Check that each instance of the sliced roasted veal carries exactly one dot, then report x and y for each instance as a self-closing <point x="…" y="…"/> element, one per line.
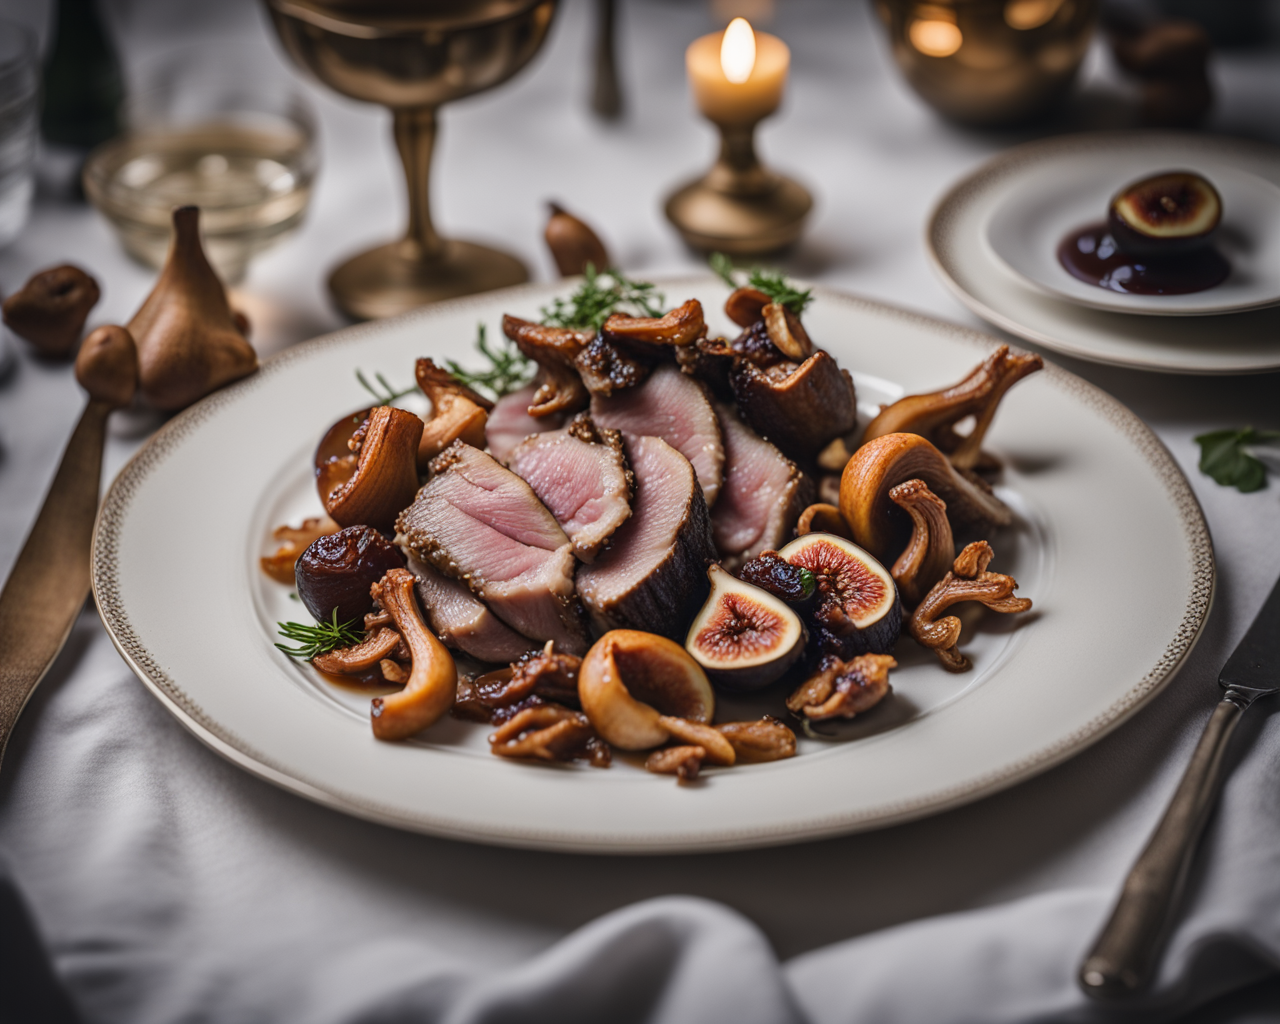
<point x="653" y="577"/>
<point x="674" y="407"/>
<point x="581" y="476"/>
<point x="461" y="620"/>
<point x="763" y="494"/>
<point x="510" y="422"/>
<point x="478" y="522"/>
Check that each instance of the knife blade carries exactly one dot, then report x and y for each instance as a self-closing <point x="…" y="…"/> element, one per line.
<point x="50" y="580"/>
<point x="1126" y="953"/>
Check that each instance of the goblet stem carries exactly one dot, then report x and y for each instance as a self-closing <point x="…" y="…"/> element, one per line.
<point x="415" y="132"/>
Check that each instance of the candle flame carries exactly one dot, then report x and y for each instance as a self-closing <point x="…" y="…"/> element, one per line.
<point x="738" y="51"/>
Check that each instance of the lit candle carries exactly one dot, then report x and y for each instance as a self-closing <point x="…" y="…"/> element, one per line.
<point x="737" y="75"/>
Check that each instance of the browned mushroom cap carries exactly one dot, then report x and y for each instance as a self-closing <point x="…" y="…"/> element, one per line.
<point x="629" y="680"/>
<point x="745" y="306"/>
<point x="797" y="407"/>
<point x="574" y="246"/>
<point x="683" y="762"/>
<point x="50" y="309"/>
<point x="823" y="518"/>
<point x="878" y="524"/>
<point x="359" y="657"/>
<point x="548" y="732"/>
<point x="934" y="415"/>
<point x="456" y="412"/>
<point x="967" y="581"/>
<point x="843" y="689"/>
<point x="717" y="746"/>
<point x="433" y="678"/>
<point x="931" y="549"/>
<point x="786" y="332"/>
<point x="554" y="349"/>
<point x="765" y="739"/>
<point x="386" y="476"/>
<point x="107" y="366"/>
<point x="680" y="326"/>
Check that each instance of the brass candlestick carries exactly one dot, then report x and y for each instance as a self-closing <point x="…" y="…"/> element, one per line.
<point x="413" y="56"/>
<point x="739" y="207"/>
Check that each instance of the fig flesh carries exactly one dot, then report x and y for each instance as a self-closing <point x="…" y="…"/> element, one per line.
<point x="744" y="637"/>
<point x="856" y="608"/>
<point x="1165" y="215"/>
<point x="337" y="570"/>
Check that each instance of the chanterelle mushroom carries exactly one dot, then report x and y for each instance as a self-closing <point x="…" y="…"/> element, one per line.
<point x="549" y="732"/>
<point x="935" y="415"/>
<point x="968" y="580"/>
<point x="843" y="689"/>
<point x="433" y="677"/>
<point x="931" y="549"/>
<point x="456" y="412"/>
<point x="631" y="684"/>
<point x="877" y="523"/>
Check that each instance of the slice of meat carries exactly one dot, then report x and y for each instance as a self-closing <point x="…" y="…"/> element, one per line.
<point x="674" y="407"/>
<point x="510" y="422"/>
<point x="580" y="474"/>
<point x="478" y="522"/>
<point x="461" y="620"/>
<point x="654" y="576"/>
<point x="763" y="494"/>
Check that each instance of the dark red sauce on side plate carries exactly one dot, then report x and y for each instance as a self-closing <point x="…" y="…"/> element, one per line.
<point x="1091" y="255"/>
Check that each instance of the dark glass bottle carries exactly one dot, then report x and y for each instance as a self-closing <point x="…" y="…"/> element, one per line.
<point x="83" y="84"/>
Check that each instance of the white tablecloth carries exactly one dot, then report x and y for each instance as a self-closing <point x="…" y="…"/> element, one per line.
<point x="168" y="885"/>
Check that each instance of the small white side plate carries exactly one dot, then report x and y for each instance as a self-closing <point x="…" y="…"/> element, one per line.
<point x="1041" y="208"/>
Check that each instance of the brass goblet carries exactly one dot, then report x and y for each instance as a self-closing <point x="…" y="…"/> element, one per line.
<point x="413" y="56"/>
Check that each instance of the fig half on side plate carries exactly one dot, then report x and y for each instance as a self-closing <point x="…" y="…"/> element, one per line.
<point x="744" y="637"/>
<point x="1166" y="215"/>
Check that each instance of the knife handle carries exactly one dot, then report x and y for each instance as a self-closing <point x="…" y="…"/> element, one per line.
<point x="50" y="580"/>
<point x="1124" y="956"/>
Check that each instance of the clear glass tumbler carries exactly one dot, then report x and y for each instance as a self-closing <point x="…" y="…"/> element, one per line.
<point x="207" y="129"/>
<point x="19" y="114"/>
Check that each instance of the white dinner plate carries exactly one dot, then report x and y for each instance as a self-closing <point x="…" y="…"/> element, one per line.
<point x="993" y="240"/>
<point x="1110" y="544"/>
<point x="1036" y="212"/>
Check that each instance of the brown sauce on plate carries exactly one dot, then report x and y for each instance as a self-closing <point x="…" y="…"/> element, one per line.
<point x="1091" y="255"/>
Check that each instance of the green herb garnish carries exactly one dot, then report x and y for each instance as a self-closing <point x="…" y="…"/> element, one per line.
<point x="601" y="294"/>
<point x="1225" y="457"/>
<point x="321" y="638"/>
<point x="772" y="282"/>
<point x="509" y="368"/>
<point x="807" y="583"/>
<point x="388" y="394"/>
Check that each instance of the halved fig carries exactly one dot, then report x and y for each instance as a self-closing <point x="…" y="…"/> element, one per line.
<point x="857" y="609"/>
<point x="1165" y="215"/>
<point x="744" y="637"/>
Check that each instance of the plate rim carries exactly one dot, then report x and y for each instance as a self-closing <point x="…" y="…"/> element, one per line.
<point x="1009" y="162"/>
<point x="114" y="508"/>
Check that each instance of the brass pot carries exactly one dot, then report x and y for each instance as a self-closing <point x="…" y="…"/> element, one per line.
<point x="989" y="62"/>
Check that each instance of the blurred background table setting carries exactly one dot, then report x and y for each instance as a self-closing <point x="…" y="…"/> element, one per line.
<point x="353" y="161"/>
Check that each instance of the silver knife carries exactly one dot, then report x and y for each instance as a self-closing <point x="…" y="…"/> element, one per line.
<point x="1125" y="955"/>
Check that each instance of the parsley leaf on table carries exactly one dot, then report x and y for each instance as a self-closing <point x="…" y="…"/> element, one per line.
<point x="1224" y="457"/>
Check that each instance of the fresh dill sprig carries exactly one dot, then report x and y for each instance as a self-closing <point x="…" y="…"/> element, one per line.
<point x="509" y="368"/>
<point x="772" y="282"/>
<point x="388" y="394"/>
<point x="321" y="638"/>
<point x="602" y="293"/>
